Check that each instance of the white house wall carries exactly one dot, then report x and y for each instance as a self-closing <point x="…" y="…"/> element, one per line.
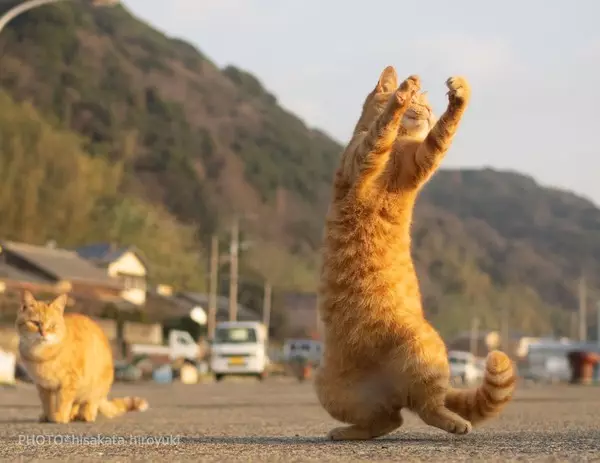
<point x="129" y="264"/>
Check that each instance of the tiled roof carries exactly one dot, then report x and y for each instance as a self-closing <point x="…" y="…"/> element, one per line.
<point x="104" y="253"/>
<point x="11" y="273"/>
<point x="61" y="263"/>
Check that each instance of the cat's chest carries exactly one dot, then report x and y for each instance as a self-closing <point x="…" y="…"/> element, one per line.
<point x="43" y="374"/>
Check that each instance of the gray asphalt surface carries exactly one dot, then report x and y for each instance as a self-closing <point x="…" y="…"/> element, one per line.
<point x="280" y="420"/>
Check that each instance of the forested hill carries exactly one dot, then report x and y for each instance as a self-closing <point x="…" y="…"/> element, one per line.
<point x="112" y="131"/>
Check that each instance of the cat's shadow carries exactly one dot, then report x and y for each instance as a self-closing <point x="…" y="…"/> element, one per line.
<point x="517" y="440"/>
<point x="36" y="421"/>
<point x="18" y="406"/>
<point x="19" y="421"/>
<point x="303" y="440"/>
<point x="275" y="440"/>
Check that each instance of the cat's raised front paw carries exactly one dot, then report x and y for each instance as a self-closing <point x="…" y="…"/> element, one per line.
<point x="408" y="88"/>
<point x="411" y="84"/>
<point x="459" y="90"/>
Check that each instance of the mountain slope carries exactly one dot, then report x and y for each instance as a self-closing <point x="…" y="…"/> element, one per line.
<point x="51" y="189"/>
<point x="114" y="79"/>
<point x="200" y="143"/>
<point x="514" y="244"/>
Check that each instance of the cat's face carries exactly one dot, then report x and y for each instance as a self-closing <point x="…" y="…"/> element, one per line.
<point x="419" y="118"/>
<point x="39" y="323"/>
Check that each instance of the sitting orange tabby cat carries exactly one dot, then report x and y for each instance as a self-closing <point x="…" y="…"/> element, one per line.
<point x="381" y="354"/>
<point x="70" y="360"/>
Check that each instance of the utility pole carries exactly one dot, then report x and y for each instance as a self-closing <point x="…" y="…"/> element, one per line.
<point x="267" y="306"/>
<point x="582" y="310"/>
<point x="233" y="268"/>
<point x="573" y="327"/>
<point x="212" y="295"/>
<point x="474" y="335"/>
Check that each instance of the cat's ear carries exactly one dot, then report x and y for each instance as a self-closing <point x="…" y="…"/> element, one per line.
<point x="425" y="97"/>
<point x="388" y="80"/>
<point x="60" y="303"/>
<point x="27" y="300"/>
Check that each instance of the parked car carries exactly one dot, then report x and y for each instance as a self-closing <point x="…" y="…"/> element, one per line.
<point x="547" y="366"/>
<point x="309" y="349"/>
<point x="239" y="349"/>
<point x="301" y="356"/>
<point x="465" y="367"/>
<point x="127" y="372"/>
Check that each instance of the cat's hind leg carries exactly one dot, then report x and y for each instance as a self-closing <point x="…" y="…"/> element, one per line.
<point x="378" y="426"/>
<point x="365" y="404"/>
<point x="425" y="372"/>
<point x="442" y="418"/>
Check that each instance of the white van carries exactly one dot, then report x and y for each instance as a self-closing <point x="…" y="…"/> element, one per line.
<point x="239" y="349"/>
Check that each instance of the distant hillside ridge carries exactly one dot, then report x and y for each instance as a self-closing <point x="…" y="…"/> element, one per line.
<point x="191" y="145"/>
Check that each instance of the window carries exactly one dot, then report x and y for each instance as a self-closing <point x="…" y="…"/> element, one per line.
<point x="457" y="361"/>
<point x="182" y="340"/>
<point x="235" y="335"/>
<point x="133" y="282"/>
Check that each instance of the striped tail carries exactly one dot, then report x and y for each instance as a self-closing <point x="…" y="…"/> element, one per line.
<point x="490" y="398"/>
<point x="116" y="407"/>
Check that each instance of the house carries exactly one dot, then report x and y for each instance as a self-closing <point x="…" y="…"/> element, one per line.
<point x="47" y="268"/>
<point x="124" y="263"/>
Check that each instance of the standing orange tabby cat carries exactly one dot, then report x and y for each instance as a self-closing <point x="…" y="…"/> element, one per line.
<point x="70" y="360"/>
<point x="381" y="354"/>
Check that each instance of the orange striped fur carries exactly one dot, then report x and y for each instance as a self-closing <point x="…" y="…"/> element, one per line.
<point x="381" y="355"/>
<point x="70" y="360"/>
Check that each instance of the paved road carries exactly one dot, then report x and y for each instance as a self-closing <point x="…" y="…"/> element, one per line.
<point x="280" y="420"/>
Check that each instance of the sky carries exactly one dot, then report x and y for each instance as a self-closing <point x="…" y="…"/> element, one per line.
<point x="534" y="68"/>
